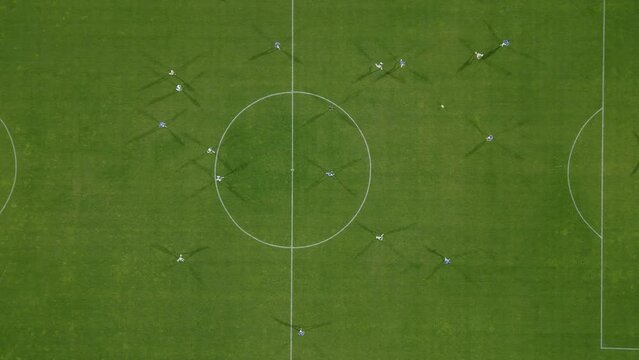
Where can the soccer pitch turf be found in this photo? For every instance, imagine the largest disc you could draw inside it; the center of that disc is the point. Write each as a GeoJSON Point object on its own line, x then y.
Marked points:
{"type": "Point", "coordinates": [97, 201]}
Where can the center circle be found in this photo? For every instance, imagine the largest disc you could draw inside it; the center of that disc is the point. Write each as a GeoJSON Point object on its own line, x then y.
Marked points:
{"type": "Point", "coordinates": [8, 166]}
{"type": "Point", "coordinates": [301, 157]}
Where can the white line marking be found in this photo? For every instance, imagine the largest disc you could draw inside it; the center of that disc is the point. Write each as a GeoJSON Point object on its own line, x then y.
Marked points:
{"type": "Point", "coordinates": [572, 197]}
{"type": "Point", "coordinates": [603, 124]}
{"type": "Point", "coordinates": [368, 186]}
{"type": "Point", "coordinates": [3, 272]}
{"type": "Point", "coordinates": [15, 166]}
{"type": "Point", "coordinates": [292, 245]}
{"type": "Point", "coordinates": [619, 348]}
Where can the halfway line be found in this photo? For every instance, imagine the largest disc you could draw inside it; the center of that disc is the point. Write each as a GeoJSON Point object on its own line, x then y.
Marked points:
{"type": "Point", "coordinates": [292, 171]}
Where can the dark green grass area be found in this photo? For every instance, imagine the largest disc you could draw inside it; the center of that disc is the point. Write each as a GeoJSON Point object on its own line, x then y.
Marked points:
{"type": "Point", "coordinates": [106, 200]}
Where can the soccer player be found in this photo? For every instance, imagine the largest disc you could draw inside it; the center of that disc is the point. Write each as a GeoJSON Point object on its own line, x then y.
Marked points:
{"type": "Point", "coordinates": [479, 55]}
{"type": "Point", "coordinates": [171, 72]}
{"type": "Point", "coordinates": [402, 63]}
{"type": "Point", "coordinates": [331, 107]}
{"type": "Point", "coordinates": [300, 332]}
{"type": "Point", "coordinates": [277, 45]}
{"type": "Point", "coordinates": [180, 259]}
{"type": "Point", "coordinates": [162, 125]}
{"type": "Point", "coordinates": [442, 106]}
{"type": "Point", "coordinates": [330, 173]}
{"type": "Point", "coordinates": [380, 65]}
{"type": "Point", "coordinates": [489, 138]}
{"type": "Point", "coordinates": [178, 88]}
{"type": "Point", "coordinates": [505, 43]}
{"type": "Point", "coordinates": [210, 151]}
{"type": "Point", "coordinates": [447, 261]}
{"type": "Point", "coordinates": [219, 178]}
{"type": "Point", "coordinates": [379, 237]}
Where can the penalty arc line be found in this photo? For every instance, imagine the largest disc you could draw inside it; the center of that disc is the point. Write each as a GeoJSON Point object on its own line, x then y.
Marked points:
{"type": "Point", "coordinates": [572, 197]}
{"type": "Point", "coordinates": [15, 166]}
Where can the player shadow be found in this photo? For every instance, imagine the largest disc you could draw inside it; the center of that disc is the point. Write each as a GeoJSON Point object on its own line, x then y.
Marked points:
{"type": "Point", "coordinates": [365, 75]}
{"type": "Point", "coordinates": [165, 76]}
{"type": "Point", "coordinates": [192, 99]}
{"type": "Point", "coordinates": [330, 108]}
{"type": "Point", "coordinates": [491, 52]}
{"type": "Point", "coordinates": [195, 163]}
{"type": "Point", "coordinates": [336, 170]}
{"type": "Point", "coordinates": [440, 264]}
{"type": "Point", "coordinates": [416, 74]}
{"type": "Point", "coordinates": [301, 326]}
{"type": "Point", "coordinates": [498, 68]}
{"type": "Point", "coordinates": [271, 50]}
{"type": "Point", "coordinates": [636, 169]}
{"type": "Point", "coordinates": [495, 141]}
{"type": "Point", "coordinates": [187, 87]}
{"type": "Point", "coordinates": [497, 38]}
{"type": "Point", "coordinates": [187, 255]}
{"type": "Point", "coordinates": [160, 98]}
{"type": "Point", "coordinates": [226, 184]}
{"type": "Point", "coordinates": [210, 184]}
{"type": "Point", "coordinates": [315, 117]}
{"type": "Point", "coordinates": [472, 58]}
{"type": "Point", "coordinates": [232, 169]}
{"type": "Point", "coordinates": [234, 191]}
{"type": "Point", "coordinates": [154, 82]}
{"type": "Point", "coordinates": [371, 69]}
{"type": "Point", "coordinates": [195, 140]}
{"type": "Point", "coordinates": [184, 92]}
{"type": "Point", "coordinates": [390, 73]}
{"type": "Point", "coordinates": [188, 84]}
{"type": "Point", "coordinates": [291, 57]}
{"type": "Point", "coordinates": [375, 233]}
{"type": "Point", "coordinates": [261, 54]}
{"type": "Point", "coordinates": [466, 63]}
{"type": "Point", "coordinates": [475, 148]}
{"type": "Point", "coordinates": [152, 119]}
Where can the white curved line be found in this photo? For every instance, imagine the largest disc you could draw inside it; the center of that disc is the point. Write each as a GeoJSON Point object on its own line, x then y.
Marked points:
{"type": "Point", "coordinates": [572, 197]}
{"type": "Point", "coordinates": [370, 170]}
{"type": "Point", "coordinates": [217, 154]}
{"type": "Point", "coordinates": [368, 186]}
{"type": "Point", "coordinates": [15, 166]}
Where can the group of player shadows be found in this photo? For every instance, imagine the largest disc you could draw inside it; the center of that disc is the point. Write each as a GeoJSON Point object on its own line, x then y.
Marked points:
{"type": "Point", "coordinates": [377, 239]}
{"type": "Point", "coordinates": [173, 79]}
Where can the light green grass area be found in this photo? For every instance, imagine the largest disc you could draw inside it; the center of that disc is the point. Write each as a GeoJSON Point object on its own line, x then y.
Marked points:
{"type": "Point", "coordinates": [105, 200]}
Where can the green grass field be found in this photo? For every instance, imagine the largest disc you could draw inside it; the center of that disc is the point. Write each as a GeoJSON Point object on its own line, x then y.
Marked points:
{"type": "Point", "coordinates": [105, 200]}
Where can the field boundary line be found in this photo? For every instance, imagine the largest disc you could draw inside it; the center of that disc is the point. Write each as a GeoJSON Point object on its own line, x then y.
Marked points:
{"type": "Point", "coordinates": [292, 245]}
{"type": "Point", "coordinates": [619, 348]}
{"type": "Point", "coordinates": [601, 221]}
{"type": "Point", "coordinates": [602, 212]}
{"type": "Point", "coordinates": [572, 197]}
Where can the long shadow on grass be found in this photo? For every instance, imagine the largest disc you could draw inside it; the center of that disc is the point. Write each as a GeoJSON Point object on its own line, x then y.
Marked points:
{"type": "Point", "coordinates": [187, 255]}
